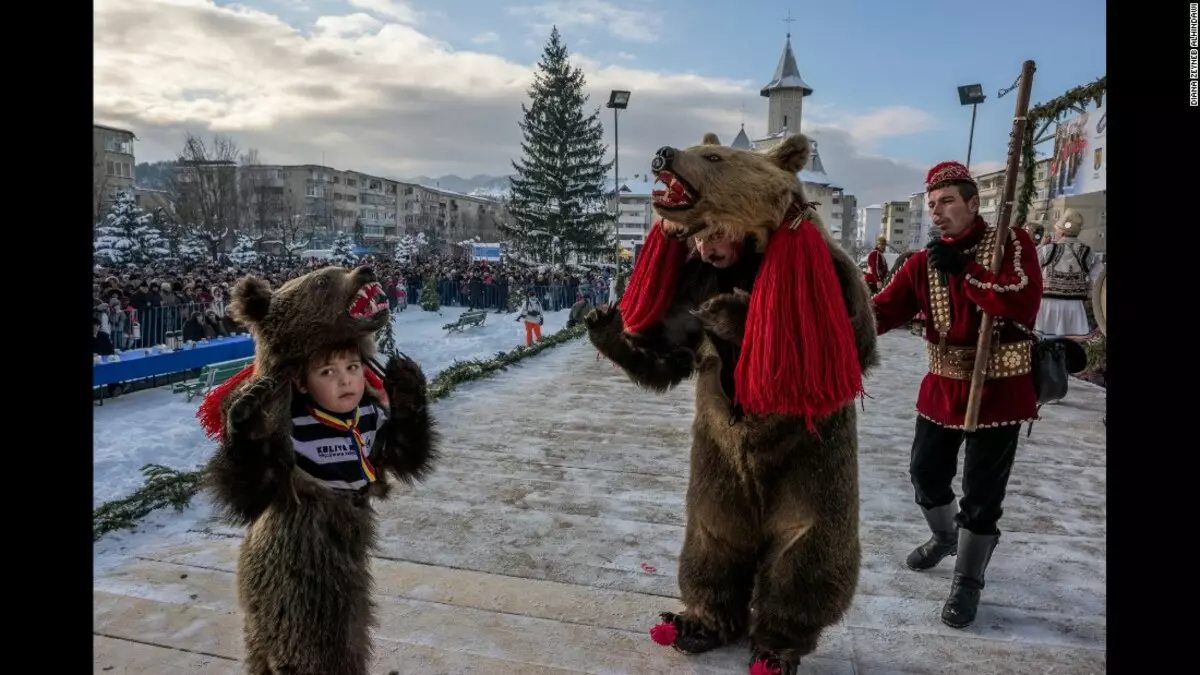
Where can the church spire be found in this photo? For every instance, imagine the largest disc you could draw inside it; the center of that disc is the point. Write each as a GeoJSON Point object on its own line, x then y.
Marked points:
{"type": "Point", "coordinates": [787, 73]}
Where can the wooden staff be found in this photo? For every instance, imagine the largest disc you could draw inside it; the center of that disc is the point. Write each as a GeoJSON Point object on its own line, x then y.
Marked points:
{"type": "Point", "coordinates": [983, 349]}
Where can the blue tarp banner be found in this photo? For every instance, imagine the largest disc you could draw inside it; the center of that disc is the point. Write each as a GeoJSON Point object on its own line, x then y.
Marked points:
{"type": "Point", "coordinates": [488, 252]}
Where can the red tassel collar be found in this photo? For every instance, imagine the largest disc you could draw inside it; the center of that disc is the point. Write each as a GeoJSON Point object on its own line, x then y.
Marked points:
{"type": "Point", "coordinates": [799, 355]}
{"type": "Point", "coordinates": [209, 412]}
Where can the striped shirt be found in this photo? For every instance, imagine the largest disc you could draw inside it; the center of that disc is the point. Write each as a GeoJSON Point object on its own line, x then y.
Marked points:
{"type": "Point", "coordinates": [329, 454]}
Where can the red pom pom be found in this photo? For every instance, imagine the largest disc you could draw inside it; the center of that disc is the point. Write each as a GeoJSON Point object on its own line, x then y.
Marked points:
{"type": "Point", "coordinates": [761, 667]}
{"type": "Point", "coordinates": [665, 633]}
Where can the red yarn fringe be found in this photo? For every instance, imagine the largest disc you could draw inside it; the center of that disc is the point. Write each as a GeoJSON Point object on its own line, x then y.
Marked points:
{"type": "Point", "coordinates": [664, 633]}
{"type": "Point", "coordinates": [652, 284]}
{"type": "Point", "coordinates": [798, 354]}
{"type": "Point", "coordinates": [760, 667]}
{"type": "Point", "coordinates": [209, 412]}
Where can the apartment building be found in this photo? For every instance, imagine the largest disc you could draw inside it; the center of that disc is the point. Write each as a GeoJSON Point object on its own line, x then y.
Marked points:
{"type": "Point", "coordinates": [870, 223]}
{"type": "Point", "coordinates": [991, 193]}
{"type": "Point", "coordinates": [849, 222]}
{"type": "Point", "coordinates": [322, 201]}
{"type": "Point", "coordinates": [920, 221]}
{"type": "Point", "coordinates": [112, 165]}
{"type": "Point", "coordinates": [448, 217]}
{"type": "Point", "coordinates": [896, 224]}
{"type": "Point", "coordinates": [635, 214]}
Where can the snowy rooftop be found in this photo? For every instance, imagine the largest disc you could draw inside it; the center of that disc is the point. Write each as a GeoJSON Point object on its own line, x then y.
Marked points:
{"type": "Point", "coordinates": [548, 540]}
{"type": "Point", "coordinates": [637, 185]}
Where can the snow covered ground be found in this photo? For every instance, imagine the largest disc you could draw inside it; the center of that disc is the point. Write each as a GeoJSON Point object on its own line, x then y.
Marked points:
{"type": "Point", "coordinates": [156, 426]}
{"type": "Point", "coordinates": [547, 541]}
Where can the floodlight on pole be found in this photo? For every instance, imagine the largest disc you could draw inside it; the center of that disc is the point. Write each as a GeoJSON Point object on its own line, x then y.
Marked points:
{"type": "Point", "coordinates": [617, 100]}
{"type": "Point", "coordinates": [972, 95]}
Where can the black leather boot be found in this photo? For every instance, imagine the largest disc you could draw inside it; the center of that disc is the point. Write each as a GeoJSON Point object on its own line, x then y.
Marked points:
{"type": "Point", "coordinates": [944, 541]}
{"type": "Point", "coordinates": [974, 554]}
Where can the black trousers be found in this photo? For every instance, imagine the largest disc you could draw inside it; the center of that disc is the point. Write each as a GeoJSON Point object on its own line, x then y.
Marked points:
{"type": "Point", "coordinates": [986, 467]}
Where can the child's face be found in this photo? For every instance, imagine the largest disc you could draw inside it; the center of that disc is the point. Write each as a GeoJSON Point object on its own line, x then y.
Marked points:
{"type": "Point", "coordinates": [336, 385]}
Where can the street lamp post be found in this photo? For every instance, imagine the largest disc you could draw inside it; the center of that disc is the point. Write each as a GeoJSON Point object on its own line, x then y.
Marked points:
{"type": "Point", "coordinates": [972, 95]}
{"type": "Point", "coordinates": [617, 100]}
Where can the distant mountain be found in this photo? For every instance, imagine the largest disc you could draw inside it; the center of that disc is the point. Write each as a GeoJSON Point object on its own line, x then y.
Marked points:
{"type": "Point", "coordinates": [488, 186]}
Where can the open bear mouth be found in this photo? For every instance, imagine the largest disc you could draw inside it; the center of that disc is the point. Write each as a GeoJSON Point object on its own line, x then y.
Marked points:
{"type": "Point", "coordinates": [368, 301]}
{"type": "Point", "coordinates": [675, 195]}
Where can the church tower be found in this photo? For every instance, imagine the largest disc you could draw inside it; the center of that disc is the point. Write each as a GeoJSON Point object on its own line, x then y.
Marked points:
{"type": "Point", "coordinates": [786, 93]}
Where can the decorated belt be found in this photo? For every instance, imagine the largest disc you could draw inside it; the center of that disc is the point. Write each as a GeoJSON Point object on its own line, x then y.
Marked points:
{"type": "Point", "coordinates": [957, 363]}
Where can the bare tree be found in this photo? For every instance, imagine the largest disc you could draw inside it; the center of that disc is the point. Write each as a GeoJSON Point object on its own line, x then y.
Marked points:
{"type": "Point", "coordinates": [295, 233]}
{"type": "Point", "coordinates": [204, 187]}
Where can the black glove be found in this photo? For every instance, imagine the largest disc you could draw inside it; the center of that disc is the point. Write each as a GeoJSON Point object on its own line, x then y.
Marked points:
{"type": "Point", "coordinates": [944, 257]}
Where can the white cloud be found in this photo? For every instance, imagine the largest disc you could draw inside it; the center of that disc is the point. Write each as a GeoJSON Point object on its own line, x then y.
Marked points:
{"type": "Point", "coordinates": [626, 56]}
{"type": "Point", "coordinates": [489, 37]}
{"type": "Point", "coordinates": [621, 23]}
{"type": "Point", "coordinates": [987, 166]}
{"type": "Point", "coordinates": [384, 98]}
{"type": "Point", "coordinates": [347, 26]}
{"type": "Point", "coordinates": [392, 9]}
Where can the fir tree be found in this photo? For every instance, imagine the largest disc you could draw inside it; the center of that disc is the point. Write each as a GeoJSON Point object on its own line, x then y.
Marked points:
{"type": "Point", "coordinates": [191, 249]}
{"type": "Point", "coordinates": [559, 187]}
{"type": "Point", "coordinates": [343, 251]}
{"type": "Point", "coordinates": [410, 247]}
{"type": "Point", "coordinates": [128, 235]}
{"type": "Point", "coordinates": [245, 253]}
{"type": "Point", "coordinates": [430, 301]}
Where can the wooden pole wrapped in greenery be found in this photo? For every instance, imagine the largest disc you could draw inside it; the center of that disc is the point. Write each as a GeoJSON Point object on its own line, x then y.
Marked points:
{"type": "Point", "coordinates": [1038, 120]}
{"type": "Point", "coordinates": [169, 487]}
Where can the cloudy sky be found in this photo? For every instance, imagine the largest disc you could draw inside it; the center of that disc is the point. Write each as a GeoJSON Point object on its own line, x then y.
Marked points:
{"type": "Point", "coordinates": [434, 87]}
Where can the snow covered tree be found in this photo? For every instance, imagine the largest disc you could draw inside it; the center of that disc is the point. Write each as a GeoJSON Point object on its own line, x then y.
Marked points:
{"type": "Point", "coordinates": [343, 251]}
{"type": "Point", "coordinates": [559, 188]}
{"type": "Point", "coordinates": [245, 252]}
{"type": "Point", "coordinates": [190, 248]}
{"type": "Point", "coordinates": [410, 247]}
{"type": "Point", "coordinates": [430, 301]}
{"type": "Point", "coordinates": [128, 235]}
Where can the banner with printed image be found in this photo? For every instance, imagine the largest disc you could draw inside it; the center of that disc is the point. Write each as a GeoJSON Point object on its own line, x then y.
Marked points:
{"type": "Point", "coordinates": [1080, 162]}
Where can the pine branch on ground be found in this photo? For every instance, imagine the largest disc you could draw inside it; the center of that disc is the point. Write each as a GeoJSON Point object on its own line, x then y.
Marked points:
{"type": "Point", "coordinates": [163, 487]}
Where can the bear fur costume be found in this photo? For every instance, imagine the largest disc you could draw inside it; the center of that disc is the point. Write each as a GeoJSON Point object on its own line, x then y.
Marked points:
{"type": "Point", "coordinates": [771, 547]}
{"type": "Point", "coordinates": [304, 579]}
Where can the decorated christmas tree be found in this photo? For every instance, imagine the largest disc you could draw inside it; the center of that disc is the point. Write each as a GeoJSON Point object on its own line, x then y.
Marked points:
{"type": "Point", "coordinates": [430, 302]}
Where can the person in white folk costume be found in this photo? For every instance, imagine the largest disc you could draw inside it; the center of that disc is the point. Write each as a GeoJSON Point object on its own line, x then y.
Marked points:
{"type": "Point", "coordinates": [1069, 268]}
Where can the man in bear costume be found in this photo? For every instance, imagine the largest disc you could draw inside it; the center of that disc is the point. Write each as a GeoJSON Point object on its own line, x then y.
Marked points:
{"type": "Point", "coordinates": [304, 577]}
{"type": "Point", "coordinates": [775, 321]}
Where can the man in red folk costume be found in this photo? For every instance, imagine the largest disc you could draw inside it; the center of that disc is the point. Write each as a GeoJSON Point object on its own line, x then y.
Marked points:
{"type": "Point", "coordinates": [951, 283]}
{"type": "Point", "coordinates": [775, 324]}
{"type": "Point", "coordinates": [877, 267]}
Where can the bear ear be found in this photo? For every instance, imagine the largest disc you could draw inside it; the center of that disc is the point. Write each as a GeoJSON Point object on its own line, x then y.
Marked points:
{"type": "Point", "coordinates": [792, 154]}
{"type": "Point", "coordinates": [710, 139]}
{"type": "Point", "coordinates": [250, 300]}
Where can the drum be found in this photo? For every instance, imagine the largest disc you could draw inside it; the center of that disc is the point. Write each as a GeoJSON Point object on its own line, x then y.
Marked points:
{"type": "Point", "coordinates": [1099, 301]}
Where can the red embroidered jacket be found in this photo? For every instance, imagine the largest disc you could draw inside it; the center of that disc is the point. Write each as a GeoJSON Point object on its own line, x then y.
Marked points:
{"type": "Point", "coordinates": [1015, 293]}
{"type": "Point", "coordinates": [874, 274]}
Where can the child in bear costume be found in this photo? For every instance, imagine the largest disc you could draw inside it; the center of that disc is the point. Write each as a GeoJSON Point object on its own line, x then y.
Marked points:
{"type": "Point", "coordinates": [307, 436]}
{"type": "Point", "coordinates": [778, 343]}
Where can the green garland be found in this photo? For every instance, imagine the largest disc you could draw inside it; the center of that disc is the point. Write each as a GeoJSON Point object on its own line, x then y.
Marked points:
{"type": "Point", "coordinates": [169, 487]}
{"type": "Point", "coordinates": [1051, 111]}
